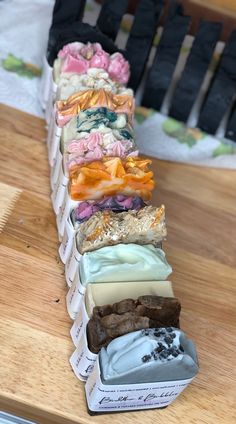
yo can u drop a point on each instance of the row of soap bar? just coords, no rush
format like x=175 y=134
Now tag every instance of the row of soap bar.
x=111 y=235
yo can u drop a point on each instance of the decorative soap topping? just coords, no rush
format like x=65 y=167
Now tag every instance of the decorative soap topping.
x=165 y=349
x=78 y=58
x=94 y=145
x=111 y=176
x=119 y=203
x=128 y=315
x=107 y=228
x=100 y=118
x=83 y=100
x=150 y=355
x=94 y=79
x=118 y=68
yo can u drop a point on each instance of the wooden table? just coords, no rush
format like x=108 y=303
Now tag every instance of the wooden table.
x=36 y=380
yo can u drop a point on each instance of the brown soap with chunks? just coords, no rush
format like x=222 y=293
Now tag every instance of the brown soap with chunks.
x=128 y=315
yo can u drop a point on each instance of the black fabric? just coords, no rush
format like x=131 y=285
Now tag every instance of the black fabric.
x=195 y=69
x=222 y=89
x=141 y=37
x=65 y=12
x=110 y=16
x=160 y=74
x=61 y=35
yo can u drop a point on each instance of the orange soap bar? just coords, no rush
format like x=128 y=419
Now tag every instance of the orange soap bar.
x=111 y=176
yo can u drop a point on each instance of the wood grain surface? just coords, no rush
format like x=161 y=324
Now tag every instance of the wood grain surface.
x=36 y=380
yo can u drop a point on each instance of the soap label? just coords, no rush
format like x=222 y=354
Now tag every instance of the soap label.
x=65 y=210
x=51 y=100
x=45 y=84
x=55 y=170
x=59 y=191
x=125 y=397
x=82 y=360
x=62 y=213
x=67 y=242
x=79 y=326
x=72 y=264
x=50 y=133
x=55 y=141
x=75 y=296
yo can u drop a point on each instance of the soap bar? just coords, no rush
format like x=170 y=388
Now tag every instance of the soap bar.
x=82 y=100
x=103 y=293
x=128 y=315
x=94 y=79
x=107 y=228
x=124 y=262
x=101 y=119
x=148 y=356
x=77 y=58
x=97 y=119
x=94 y=145
x=119 y=203
x=111 y=176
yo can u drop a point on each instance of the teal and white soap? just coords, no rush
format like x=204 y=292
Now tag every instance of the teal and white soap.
x=98 y=119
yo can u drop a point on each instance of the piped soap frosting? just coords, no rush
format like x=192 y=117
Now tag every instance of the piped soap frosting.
x=94 y=145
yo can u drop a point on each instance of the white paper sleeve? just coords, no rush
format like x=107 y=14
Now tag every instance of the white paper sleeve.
x=82 y=360
x=75 y=296
x=79 y=326
x=72 y=265
x=126 y=397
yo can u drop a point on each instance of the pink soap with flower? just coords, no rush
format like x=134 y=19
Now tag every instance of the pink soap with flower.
x=78 y=58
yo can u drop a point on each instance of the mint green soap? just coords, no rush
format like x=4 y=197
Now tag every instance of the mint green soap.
x=124 y=262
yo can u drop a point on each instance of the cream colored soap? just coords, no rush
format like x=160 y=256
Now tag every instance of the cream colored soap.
x=105 y=294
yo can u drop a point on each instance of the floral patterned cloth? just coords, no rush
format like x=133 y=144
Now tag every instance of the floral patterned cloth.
x=23 y=40
x=22 y=47
x=172 y=140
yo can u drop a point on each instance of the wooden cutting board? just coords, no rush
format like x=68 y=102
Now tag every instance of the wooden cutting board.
x=36 y=380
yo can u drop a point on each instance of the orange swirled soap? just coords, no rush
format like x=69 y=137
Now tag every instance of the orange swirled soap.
x=82 y=100
x=111 y=176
